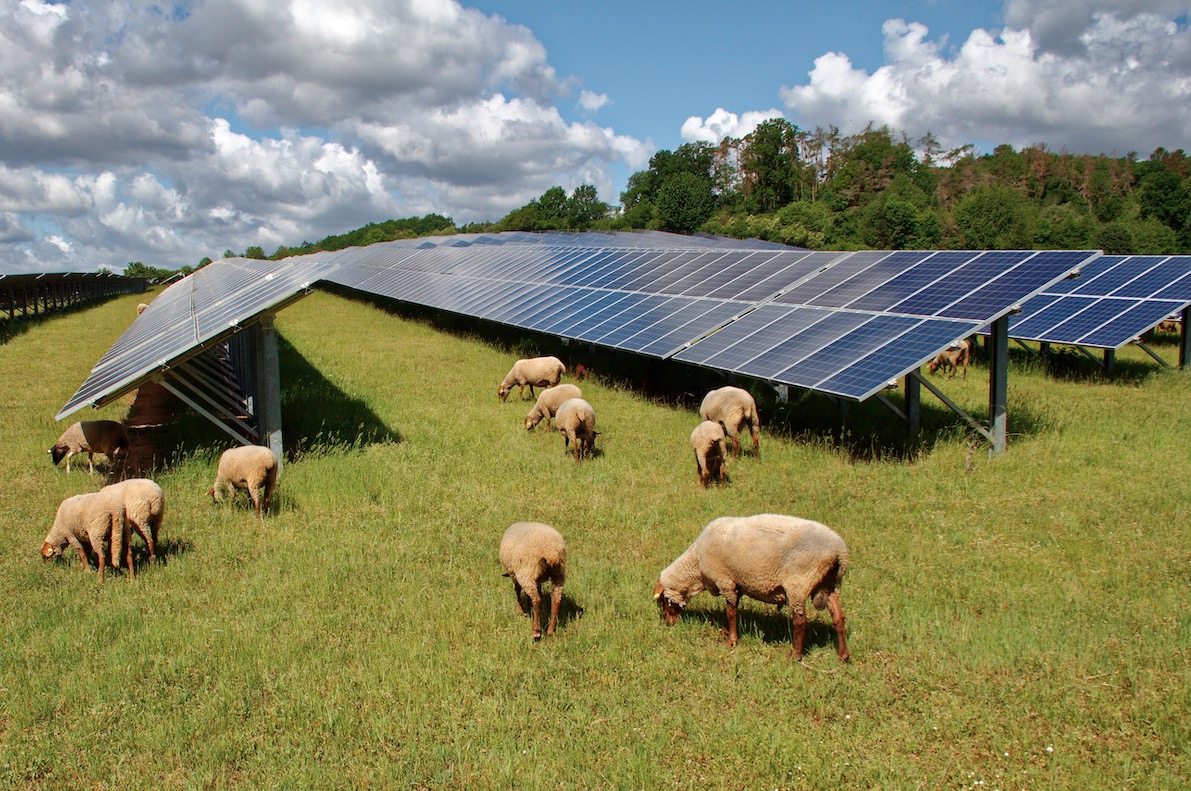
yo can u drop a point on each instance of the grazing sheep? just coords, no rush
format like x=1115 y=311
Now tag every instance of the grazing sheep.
x=707 y=440
x=549 y=400
x=86 y=521
x=144 y=508
x=532 y=552
x=92 y=436
x=734 y=409
x=537 y=371
x=582 y=371
x=576 y=420
x=1171 y=326
x=957 y=354
x=248 y=467
x=769 y=557
x=141 y=307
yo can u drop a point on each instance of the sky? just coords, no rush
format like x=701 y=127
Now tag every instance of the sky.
x=135 y=130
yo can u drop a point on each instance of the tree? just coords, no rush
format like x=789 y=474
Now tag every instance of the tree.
x=770 y=165
x=584 y=207
x=993 y=218
x=1163 y=195
x=684 y=203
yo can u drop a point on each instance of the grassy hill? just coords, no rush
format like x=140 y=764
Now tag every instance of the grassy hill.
x=1017 y=623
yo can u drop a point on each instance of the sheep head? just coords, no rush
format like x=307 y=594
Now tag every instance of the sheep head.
x=503 y=392
x=671 y=609
x=48 y=550
x=57 y=453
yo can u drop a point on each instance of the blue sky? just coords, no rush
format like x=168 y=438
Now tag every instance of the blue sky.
x=167 y=136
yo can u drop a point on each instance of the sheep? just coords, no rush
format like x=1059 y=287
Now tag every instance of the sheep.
x=576 y=420
x=957 y=354
x=144 y=508
x=549 y=400
x=707 y=440
x=91 y=437
x=537 y=371
x=141 y=307
x=733 y=408
x=248 y=467
x=531 y=552
x=85 y=521
x=769 y=557
x=582 y=371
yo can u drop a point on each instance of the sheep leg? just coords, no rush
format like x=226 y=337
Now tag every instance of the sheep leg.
x=837 y=618
x=730 y=627
x=255 y=494
x=90 y=462
x=149 y=540
x=517 y=593
x=798 y=616
x=555 y=603
x=535 y=598
x=756 y=444
x=84 y=560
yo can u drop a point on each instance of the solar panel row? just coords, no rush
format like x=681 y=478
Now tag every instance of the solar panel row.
x=843 y=323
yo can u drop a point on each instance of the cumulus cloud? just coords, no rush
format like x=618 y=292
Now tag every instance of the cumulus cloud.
x=131 y=130
x=1127 y=90
x=1060 y=25
x=722 y=124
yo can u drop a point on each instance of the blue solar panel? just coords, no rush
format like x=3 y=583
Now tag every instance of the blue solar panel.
x=805 y=344
x=1118 y=286
x=856 y=344
x=806 y=292
x=935 y=299
x=667 y=337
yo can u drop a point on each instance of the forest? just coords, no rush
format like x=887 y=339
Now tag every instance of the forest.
x=876 y=189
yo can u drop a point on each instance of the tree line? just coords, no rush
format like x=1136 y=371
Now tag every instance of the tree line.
x=876 y=189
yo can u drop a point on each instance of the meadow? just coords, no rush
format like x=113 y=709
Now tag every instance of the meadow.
x=1014 y=622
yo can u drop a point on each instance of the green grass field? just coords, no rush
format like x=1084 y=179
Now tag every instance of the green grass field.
x=1019 y=622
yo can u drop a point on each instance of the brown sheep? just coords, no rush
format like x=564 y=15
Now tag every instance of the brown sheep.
x=952 y=358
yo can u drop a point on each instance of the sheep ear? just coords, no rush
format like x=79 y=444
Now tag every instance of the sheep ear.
x=657 y=591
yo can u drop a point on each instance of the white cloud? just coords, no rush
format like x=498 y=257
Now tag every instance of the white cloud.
x=592 y=102
x=1060 y=25
x=1129 y=89
x=165 y=133
x=722 y=124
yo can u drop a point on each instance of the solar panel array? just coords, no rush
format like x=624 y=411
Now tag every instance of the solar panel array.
x=838 y=322
x=191 y=316
x=1113 y=301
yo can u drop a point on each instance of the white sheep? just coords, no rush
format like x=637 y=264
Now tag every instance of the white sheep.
x=576 y=420
x=734 y=409
x=249 y=468
x=91 y=436
x=768 y=557
x=532 y=552
x=536 y=371
x=141 y=307
x=549 y=400
x=85 y=522
x=707 y=440
x=144 y=508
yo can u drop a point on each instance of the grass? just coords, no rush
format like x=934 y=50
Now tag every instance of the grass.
x=1015 y=623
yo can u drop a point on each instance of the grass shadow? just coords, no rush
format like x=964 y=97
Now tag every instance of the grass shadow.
x=768 y=624
x=317 y=419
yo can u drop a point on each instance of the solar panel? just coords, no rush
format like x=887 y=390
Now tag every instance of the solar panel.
x=1114 y=301
x=837 y=321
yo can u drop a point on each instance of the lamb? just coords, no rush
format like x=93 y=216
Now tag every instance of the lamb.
x=576 y=420
x=768 y=557
x=144 y=508
x=582 y=371
x=85 y=521
x=537 y=371
x=957 y=354
x=141 y=307
x=734 y=409
x=532 y=552
x=707 y=440
x=248 y=467
x=91 y=437
x=549 y=400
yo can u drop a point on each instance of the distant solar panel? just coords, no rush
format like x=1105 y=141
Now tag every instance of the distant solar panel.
x=1113 y=301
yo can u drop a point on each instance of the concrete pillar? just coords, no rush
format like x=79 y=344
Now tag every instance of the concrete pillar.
x=998 y=384
x=268 y=385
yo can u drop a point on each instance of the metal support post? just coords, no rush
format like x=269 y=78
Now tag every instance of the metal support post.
x=1110 y=361
x=268 y=384
x=998 y=384
x=1184 y=347
x=913 y=406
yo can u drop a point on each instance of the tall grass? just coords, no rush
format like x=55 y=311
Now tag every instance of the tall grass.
x=1015 y=623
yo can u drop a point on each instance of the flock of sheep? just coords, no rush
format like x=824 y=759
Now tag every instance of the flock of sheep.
x=768 y=557
x=106 y=519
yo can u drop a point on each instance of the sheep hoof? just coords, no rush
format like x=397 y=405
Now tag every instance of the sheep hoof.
x=537 y=636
